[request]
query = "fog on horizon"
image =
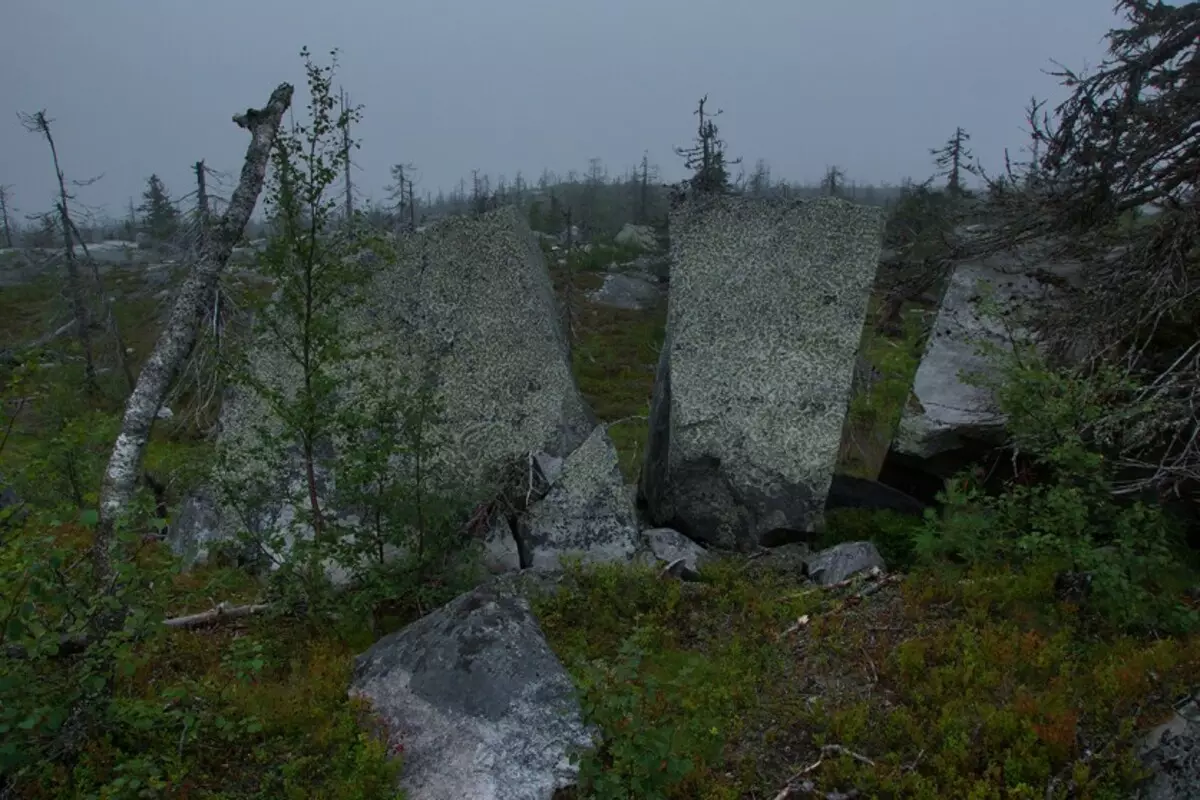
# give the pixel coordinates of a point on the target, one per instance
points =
(138, 87)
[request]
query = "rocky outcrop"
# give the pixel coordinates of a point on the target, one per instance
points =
(479, 704)
(768, 299)
(1171, 752)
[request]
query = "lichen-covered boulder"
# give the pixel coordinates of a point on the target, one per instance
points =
(465, 307)
(476, 292)
(627, 292)
(481, 707)
(586, 513)
(640, 236)
(768, 300)
(673, 549)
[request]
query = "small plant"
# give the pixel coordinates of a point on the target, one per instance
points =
(653, 741)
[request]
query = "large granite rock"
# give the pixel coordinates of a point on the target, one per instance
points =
(639, 236)
(480, 705)
(768, 300)
(467, 305)
(980, 314)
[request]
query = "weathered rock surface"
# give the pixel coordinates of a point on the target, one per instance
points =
(836, 564)
(480, 704)
(1172, 754)
(668, 546)
(627, 292)
(468, 305)
(949, 409)
(585, 514)
(767, 307)
(641, 236)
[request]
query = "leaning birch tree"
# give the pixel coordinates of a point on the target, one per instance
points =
(179, 336)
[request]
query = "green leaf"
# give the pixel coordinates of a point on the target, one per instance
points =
(89, 517)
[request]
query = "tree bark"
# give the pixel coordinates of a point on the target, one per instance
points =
(179, 336)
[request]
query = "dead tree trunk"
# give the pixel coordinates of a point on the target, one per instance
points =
(113, 325)
(179, 336)
(8, 242)
(346, 147)
(201, 202)
(38, 123)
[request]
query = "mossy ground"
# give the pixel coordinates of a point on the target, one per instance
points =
(972, 685)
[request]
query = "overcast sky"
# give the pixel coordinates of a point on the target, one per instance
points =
(141, 86)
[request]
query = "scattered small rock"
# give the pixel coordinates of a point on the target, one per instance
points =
(835, 564)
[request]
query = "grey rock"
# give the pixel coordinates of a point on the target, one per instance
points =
(640, 236)
(950, 409)
(482, 707)
(836, 564)
(627, 292)
(196, 527)
(468, 305)
(768, 300)
(500, 551)
(1171, 752)
(586, 514)
(669, 546)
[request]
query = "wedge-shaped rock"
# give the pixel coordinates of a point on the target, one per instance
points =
(768, 299)
(467, 305)
(586, 514)
(481, 706)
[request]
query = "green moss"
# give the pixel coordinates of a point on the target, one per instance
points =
(874, 413)
(614, 358)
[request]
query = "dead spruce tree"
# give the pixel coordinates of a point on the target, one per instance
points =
(5, 199)
(706, 156)
(1115, 188)
(953, 159)
(39, 123)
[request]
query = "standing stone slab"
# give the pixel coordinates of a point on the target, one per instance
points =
(768, 300)
(467, 304)
(480, 704)
(477, 294)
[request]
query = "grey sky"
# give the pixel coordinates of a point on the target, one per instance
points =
(141, 86)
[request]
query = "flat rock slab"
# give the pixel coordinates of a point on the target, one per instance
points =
(768, 300)
(482, 707)
(1172, 754)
